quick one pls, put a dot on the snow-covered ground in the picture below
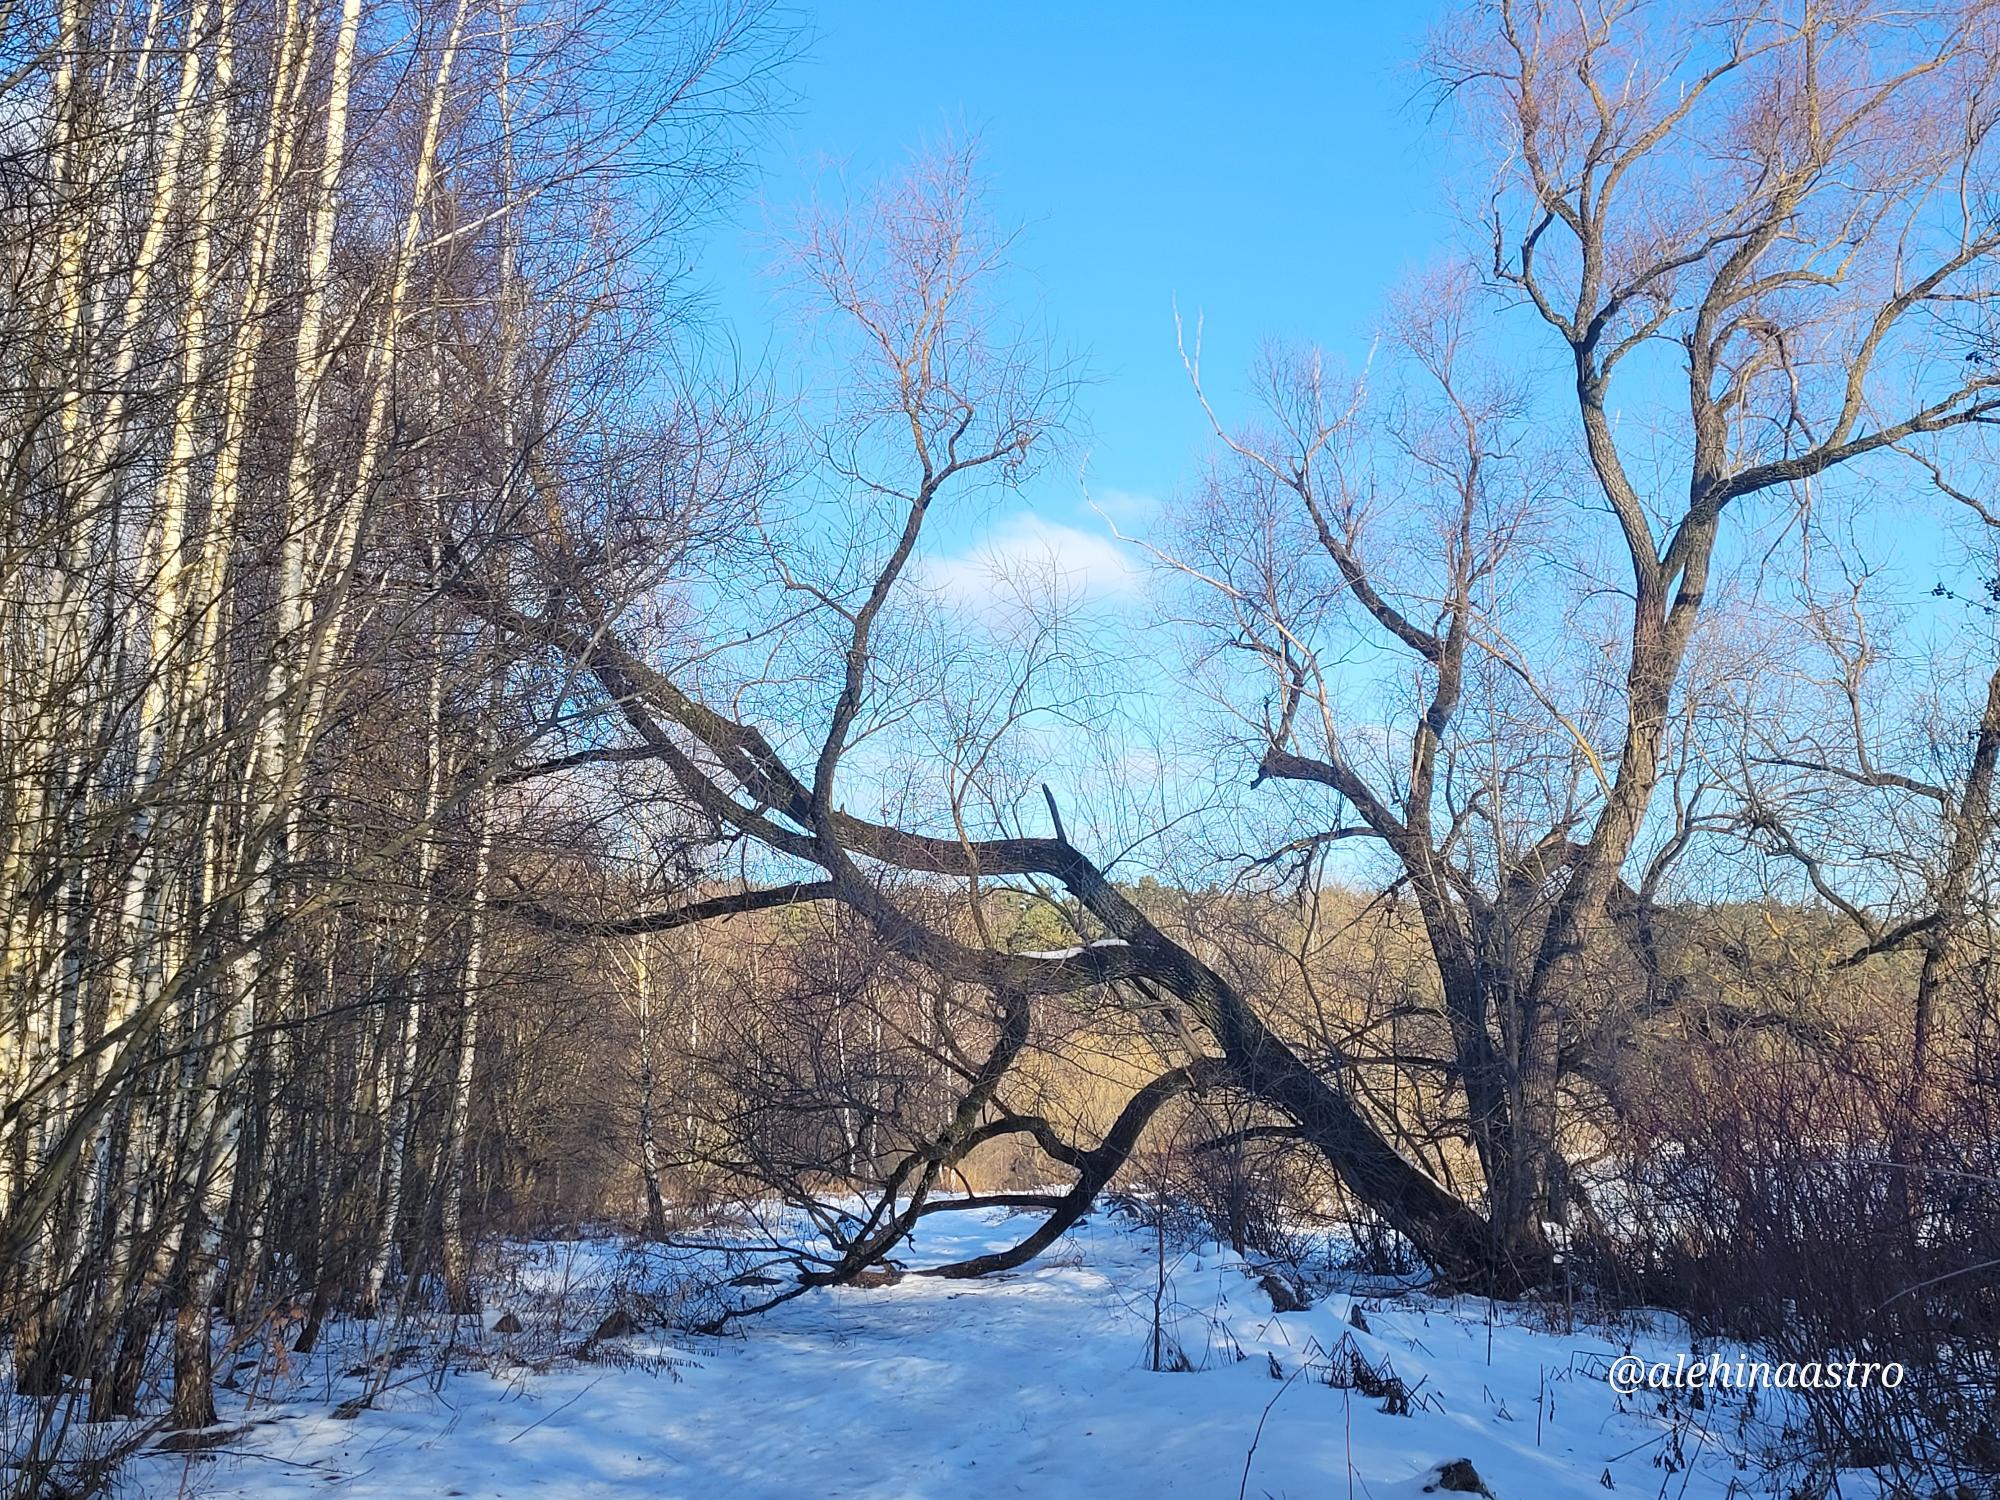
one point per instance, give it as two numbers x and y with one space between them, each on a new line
1034 1383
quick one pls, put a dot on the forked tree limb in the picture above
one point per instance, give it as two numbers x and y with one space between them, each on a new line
717 760
1098 1166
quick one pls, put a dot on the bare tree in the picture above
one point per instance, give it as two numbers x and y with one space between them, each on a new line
1780 198
235 472
1733 187
942 399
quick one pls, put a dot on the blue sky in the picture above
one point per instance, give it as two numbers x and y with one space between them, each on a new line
1277 179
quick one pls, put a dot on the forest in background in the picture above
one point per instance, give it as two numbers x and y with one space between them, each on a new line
473 763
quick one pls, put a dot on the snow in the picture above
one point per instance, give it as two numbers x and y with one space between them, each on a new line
1034 1383
1063 955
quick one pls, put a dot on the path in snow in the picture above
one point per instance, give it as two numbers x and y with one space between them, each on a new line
1030 1384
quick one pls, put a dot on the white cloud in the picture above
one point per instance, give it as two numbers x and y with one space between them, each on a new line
1025 559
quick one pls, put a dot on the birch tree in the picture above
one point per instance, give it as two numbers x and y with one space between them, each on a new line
251 408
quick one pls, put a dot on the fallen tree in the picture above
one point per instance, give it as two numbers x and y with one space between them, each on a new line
1790 283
